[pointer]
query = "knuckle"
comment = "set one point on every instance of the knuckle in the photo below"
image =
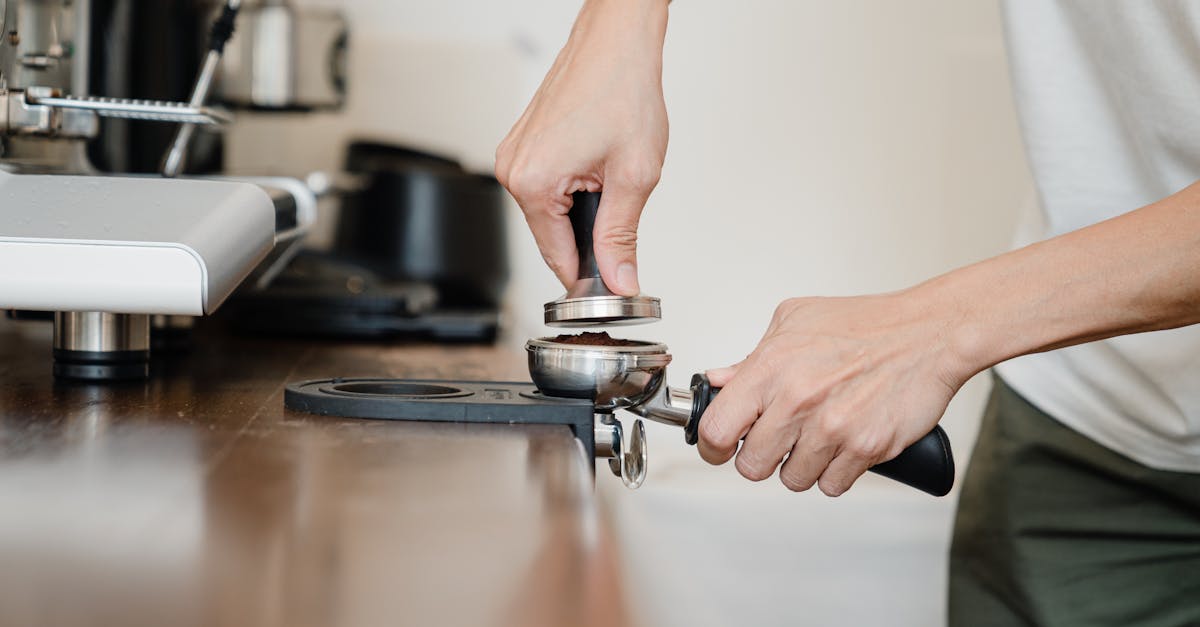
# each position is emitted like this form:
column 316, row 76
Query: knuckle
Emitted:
column 525, row 183
column 640, row 174
column 794, row 482
column 620, row 237
column 869, row 447
column 503, row 158
column 832, row 429
column 832, row 487
column 784, row 309
column 752, row 466
column 891, row 452
column 711, row 456
column 713, row 432
column 553, row 263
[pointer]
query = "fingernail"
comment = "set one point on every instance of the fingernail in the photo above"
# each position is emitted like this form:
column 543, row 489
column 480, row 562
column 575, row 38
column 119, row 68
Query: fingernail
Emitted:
column 627, row 278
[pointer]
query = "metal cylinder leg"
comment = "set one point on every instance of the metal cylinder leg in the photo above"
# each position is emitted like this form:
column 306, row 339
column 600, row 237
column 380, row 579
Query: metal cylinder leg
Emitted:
column 100, row 346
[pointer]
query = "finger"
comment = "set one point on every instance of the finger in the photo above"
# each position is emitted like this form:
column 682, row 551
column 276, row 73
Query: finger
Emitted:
column 809, row 458
column 856, row 456
column 768, row 441
column 728, row 418
column 720, row 377
column 615, row 237
column 555, row 239
column 842, row 472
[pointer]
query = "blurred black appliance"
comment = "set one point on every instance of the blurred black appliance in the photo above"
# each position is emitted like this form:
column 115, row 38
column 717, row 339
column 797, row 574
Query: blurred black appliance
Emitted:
column 420, row 253
column 148, row 50
column 419, row 217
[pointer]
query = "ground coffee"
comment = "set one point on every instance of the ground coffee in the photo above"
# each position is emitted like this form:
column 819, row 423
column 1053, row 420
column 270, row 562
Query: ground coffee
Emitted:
column 594, row 339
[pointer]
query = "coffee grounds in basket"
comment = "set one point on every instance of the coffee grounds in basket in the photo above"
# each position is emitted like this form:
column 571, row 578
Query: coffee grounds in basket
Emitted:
column 594, row 339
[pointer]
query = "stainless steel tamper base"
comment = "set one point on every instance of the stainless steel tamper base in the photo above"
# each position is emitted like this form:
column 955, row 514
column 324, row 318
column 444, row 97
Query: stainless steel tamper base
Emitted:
column 589, row 303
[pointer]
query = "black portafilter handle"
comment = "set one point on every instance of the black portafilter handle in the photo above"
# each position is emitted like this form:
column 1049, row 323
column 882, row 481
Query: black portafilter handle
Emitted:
column 927, row 465
column 583, row 218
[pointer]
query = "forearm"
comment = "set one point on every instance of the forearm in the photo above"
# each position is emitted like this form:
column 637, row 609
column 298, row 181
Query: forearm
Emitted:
column 1137, row 272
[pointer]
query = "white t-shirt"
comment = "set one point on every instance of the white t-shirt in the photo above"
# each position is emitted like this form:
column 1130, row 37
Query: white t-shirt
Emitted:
column 1108, row 93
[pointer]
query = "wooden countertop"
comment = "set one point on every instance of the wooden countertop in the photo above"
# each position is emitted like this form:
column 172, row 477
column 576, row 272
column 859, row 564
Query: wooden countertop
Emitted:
column 195, row 499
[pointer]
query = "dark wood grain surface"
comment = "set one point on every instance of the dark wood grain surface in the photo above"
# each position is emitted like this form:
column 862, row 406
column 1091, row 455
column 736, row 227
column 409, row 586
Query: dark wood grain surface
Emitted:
column 196, row 499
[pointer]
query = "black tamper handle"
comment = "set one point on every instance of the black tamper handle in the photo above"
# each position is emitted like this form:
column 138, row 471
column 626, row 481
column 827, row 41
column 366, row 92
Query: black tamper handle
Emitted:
column 927, row 465
column 583, row 218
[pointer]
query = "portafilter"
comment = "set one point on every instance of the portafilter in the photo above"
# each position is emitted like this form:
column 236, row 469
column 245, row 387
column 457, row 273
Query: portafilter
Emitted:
column 589, row 302
column 632, row 378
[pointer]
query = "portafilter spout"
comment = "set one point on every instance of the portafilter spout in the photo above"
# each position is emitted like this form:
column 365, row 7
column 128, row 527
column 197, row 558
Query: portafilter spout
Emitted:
column 632, row 378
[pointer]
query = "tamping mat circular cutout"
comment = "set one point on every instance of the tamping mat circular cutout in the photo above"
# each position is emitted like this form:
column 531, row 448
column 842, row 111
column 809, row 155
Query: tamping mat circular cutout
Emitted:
column 398, row 389
column 369, row 398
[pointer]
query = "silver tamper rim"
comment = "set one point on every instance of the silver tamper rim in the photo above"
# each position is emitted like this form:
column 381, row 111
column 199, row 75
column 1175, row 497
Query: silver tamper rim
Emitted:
column 603, row 310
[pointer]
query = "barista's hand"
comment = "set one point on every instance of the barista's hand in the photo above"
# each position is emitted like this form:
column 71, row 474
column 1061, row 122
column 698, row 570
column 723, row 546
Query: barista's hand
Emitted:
column 598, row 122
column 836, row 385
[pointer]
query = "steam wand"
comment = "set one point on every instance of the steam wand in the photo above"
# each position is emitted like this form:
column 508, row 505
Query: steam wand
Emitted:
column 221, row 31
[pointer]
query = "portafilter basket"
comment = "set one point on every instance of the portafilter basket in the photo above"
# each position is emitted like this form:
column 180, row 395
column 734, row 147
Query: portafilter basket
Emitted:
column 612, row 377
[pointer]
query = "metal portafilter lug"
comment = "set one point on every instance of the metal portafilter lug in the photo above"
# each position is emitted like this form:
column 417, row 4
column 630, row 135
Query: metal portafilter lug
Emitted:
column 627, row 461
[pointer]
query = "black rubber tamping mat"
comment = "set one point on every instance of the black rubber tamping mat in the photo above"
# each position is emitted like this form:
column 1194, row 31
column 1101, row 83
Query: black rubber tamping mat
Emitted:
column 504, row 402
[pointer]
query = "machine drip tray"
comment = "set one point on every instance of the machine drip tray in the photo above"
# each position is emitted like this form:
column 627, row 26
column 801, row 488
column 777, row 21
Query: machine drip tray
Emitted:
column 503, row 402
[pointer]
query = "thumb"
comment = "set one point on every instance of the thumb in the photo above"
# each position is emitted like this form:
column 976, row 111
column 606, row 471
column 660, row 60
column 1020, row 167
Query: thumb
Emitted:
column 720, row 377
column 614, row 238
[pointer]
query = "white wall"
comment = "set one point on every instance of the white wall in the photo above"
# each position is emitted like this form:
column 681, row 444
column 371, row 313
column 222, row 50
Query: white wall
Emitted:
column 817, row 147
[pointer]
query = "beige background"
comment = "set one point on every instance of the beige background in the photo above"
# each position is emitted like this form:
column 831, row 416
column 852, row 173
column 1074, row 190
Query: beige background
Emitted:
column 817, row 148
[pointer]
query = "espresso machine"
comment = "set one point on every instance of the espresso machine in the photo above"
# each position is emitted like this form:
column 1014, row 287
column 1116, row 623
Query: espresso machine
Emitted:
column 115, row 214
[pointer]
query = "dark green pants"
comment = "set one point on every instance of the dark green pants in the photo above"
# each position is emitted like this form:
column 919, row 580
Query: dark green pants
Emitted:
column 1054, row 529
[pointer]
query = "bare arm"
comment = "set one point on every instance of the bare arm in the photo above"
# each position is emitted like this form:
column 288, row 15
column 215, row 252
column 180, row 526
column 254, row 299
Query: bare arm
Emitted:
column 598, row 121
column 837, row 385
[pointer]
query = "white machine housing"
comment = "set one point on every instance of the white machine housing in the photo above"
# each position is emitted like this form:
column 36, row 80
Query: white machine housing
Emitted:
column 135, row 245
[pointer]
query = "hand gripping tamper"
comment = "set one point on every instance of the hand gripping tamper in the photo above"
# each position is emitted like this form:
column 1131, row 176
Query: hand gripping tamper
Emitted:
column 589, row 302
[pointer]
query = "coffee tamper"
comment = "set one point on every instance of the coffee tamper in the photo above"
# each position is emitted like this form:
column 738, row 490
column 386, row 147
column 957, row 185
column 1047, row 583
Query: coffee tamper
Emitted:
column 589, row 302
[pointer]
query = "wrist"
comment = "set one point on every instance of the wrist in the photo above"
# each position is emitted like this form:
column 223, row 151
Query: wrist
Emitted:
column 955, row 327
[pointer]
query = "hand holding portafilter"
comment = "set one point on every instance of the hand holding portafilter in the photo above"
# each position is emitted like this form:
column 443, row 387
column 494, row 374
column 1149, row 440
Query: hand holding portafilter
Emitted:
column 589, row 302
column 632, row 377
